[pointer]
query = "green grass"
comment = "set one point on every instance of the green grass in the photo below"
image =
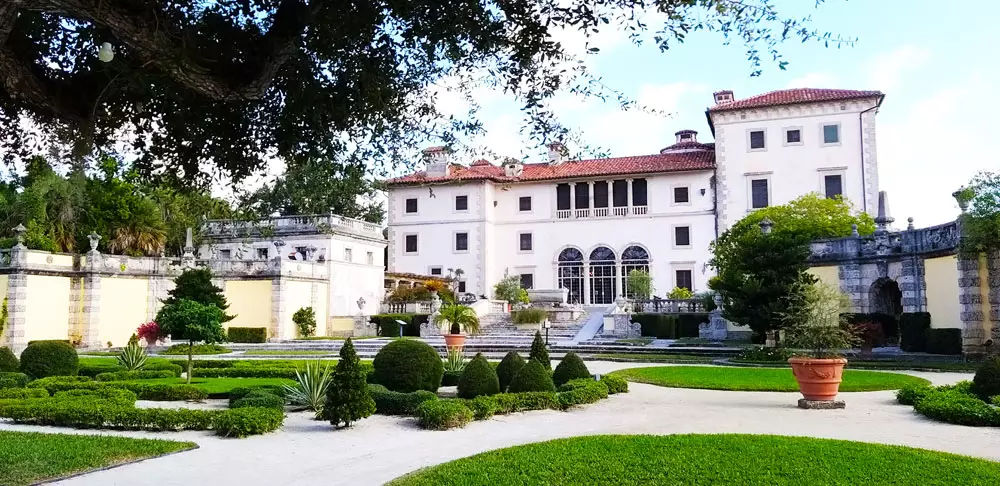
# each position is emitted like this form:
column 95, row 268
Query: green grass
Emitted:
column 98, row 353
column 699, row 342
column 221, row 386
column 635, row 341
column 269, row 352
column 30, row 457
column 657, row 358
column 199, row 349
column 757, row 379
column 707, row 459
column 956, row 366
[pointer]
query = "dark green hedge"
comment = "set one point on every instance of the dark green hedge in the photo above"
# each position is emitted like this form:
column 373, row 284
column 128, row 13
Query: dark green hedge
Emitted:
column 386, row 324
column 49, row 358
column 396, row 403
column 944, row 341
column 145, row 391
column 13, row 380
column 889, row 322
column 913, row 328
column 8, row 362
column 408, row 365
column 670, row 326
column 443, row 414
column 248, row 334
column 134, row 375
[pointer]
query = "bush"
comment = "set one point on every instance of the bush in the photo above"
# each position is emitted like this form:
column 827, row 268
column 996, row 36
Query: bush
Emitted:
column 91, row 368
column 112, row 394
column 134, row 375
column 944, row 341
column 386, row 325
column 581, row 391
column 347, row 397
column 913, row 328
column 396, row 403
column 175, row 369
column 450, row 378
column 957, row 408
column 508, row 367
column 532, row 377
column 539, row 352
column 145, row 391
column 911, row 393
column 986, row 383
column 247, row 334
column 443, row 414
column 22, row 393
column 688, row 324
column 570, row 368
column 13, row 380
column 243, row 422
column 259, row 398
column 888, row 322
column 761, row 354
column 182, row 349
column 49, row 358
column 305, row 321
column 478, row 378
column 244, row 391
column 407, row 366
column 8, row 362
column 237, row 372
column 615, row 384
column 484, row 407
column 133, row 357
column 529, row 315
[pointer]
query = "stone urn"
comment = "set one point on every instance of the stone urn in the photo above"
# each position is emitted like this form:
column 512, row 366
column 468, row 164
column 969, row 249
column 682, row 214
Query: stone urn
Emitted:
column 150, row 341
column 819, row 378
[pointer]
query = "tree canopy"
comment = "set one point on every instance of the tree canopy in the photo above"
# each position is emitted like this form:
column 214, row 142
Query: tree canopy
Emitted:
column 981, row 222
column 228, row 84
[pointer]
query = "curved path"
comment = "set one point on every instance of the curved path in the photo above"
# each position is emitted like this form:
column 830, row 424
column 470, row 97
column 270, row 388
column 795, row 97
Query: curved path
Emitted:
column 307, row 452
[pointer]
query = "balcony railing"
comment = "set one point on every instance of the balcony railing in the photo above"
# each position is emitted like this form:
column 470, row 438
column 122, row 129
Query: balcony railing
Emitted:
column 639, row 210
column 617, row 211
column 621, row 211
column 600, row 212
column 564, row 214
column 283, row 225
column 583, row 213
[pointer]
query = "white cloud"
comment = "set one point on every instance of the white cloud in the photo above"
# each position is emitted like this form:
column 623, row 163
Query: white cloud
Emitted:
column 886, row 71
column 813, row 80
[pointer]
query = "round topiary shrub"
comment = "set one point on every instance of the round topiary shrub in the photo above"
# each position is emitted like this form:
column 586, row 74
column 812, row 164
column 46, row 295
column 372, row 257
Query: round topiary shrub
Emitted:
column 509, row 366
column 407, row 366
column 478, row 378
column 532, row 377
column 49, row 358
column 570, row 368
column 8, row 362
column 986, row 384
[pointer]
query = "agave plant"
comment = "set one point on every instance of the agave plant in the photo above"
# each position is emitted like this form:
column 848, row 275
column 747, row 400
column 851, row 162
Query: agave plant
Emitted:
column 132, row 357
column 456, row 360
column 309, row 390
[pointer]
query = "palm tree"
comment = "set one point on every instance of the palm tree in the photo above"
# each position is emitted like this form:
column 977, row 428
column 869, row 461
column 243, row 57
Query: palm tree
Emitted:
column 142, row 234
column 458, row 317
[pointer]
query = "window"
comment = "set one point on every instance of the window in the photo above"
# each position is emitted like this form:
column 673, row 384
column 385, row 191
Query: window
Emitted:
column 686, row 137
column 461, row 203
column 793, row 136
column 619, row 194
column 411, row 243
column 524, row 240
column 757, row 140
column 527, row 281
column 461, row 286
column 600, row 194
column 461, row 242
column 524, row 203
column 348, row 255
column 371, row 258
column 681, row 195
column 302, row 250
column 831, row 134
column 682, row 236
column 225, row 254
column 436, row 270
column 758, row 193
column 262, row 253
column 833, row 185
column 639, row 192
column 562, row 197
column 582, row 195
column 683, row 279
column 411, row 205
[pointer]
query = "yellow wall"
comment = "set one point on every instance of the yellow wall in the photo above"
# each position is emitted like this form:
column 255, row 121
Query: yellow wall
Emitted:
column 250, row 302
column 47, row 308
column 123, row 308
column 42, row 258
column 941, row 275
column 829, row 275
column 297, row 295
column 339, row 326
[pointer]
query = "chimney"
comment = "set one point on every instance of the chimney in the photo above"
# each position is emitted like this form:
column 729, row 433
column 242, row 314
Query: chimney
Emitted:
column 685, row 136
column 557, row 153
column 724, row 96
column 437, row 162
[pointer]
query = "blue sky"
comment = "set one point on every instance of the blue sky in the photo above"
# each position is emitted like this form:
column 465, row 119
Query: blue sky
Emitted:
column 937, row 66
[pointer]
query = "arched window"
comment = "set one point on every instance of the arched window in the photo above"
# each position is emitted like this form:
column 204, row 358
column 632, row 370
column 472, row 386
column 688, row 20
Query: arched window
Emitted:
column 603, row 276
column 634, row 258
column 570, row 274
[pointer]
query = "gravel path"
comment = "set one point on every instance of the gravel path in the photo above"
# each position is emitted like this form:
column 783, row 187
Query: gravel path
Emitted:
column 307, row 452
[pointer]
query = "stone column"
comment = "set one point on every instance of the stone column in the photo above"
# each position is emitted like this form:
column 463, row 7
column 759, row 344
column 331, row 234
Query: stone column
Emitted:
column 278, row 311
column 90, row 318
column 586, row 283
column 628, row 196
column 849, row 274
column 993, row 274
column 970, row 300
column 572, row 199
column 17, row 296
column 913, row 286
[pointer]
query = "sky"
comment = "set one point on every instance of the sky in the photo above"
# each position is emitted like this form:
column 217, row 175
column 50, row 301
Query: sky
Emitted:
column 937, row 66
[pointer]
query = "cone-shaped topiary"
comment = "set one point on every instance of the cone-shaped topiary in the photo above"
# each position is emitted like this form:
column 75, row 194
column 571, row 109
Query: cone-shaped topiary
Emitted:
column 986, row 384
column 539, row 352
column 478, row 378
column 570, row 368
column 347, row 398
column 407, row 366
column 509, row 366
column 532, row 377
column 49, row 358
column 8, row 362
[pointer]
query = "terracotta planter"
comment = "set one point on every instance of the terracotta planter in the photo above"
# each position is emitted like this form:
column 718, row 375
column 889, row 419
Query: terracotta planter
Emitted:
column 819, row 379
column 150, row 342
column 454, row 341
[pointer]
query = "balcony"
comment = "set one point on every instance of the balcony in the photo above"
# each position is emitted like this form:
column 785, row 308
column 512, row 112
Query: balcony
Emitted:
column 290, row 225
column 602, row 213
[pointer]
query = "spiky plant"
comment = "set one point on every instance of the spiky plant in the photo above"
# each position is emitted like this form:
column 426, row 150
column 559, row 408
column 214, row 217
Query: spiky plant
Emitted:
column 132, row 357
column 456, row 360
column 309, row 391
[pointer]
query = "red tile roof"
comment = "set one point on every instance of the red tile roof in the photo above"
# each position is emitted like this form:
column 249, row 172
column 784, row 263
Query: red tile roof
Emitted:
column 794, row 96
column 642, row 164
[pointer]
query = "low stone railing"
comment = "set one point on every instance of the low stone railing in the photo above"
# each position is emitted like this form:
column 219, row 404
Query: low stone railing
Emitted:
column 669, row 306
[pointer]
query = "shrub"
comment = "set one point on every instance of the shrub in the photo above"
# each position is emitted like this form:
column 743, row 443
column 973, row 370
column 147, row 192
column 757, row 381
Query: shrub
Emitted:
column 347, row 398
column 22, row 393
column 484, row 407
column 305, row 321
column 453, row 367
column 13, row 380
column 106, row 414
column 764, row 354
column 182, row 349
column 247, row 334
column 132, row 358
column 256, row 372
column 539, row 352
column 508, row 367
column 889, row 323
column 49, row 358
column 149, row 331
column 957, row 408
column 870, row 333
column 615, row 384
column 145, row 391
column 581, row 391
column 532, row 377
column 396, row 403
column 529, row 315
column 911, row 393
column 479, row 378
column 913, row 328
column 260, row 398
column 944, row 341
column 986, row 383
column 688, row 324
column 661, row 326
column 443, row 414
column 242, row 392
column 243, row 422
column 311, row 385
column 91, row 368
column 570, row 368
column 8, row 362
column 134, row 375
column 407, row 366
column 450, row 378
column 175, row 369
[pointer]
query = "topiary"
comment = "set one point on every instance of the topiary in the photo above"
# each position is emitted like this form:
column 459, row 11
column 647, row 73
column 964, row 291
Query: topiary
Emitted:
column 478, row 378
column 570, row 368
column 407, row 366
column 532, row 377
column 986, row 384
column 347, row 397
column 539, row 352
column 8, row 362
column 509, row 366
column 49, row 358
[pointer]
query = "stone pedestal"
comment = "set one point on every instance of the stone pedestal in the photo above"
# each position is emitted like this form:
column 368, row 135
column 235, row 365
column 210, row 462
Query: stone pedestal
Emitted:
column 821, row 404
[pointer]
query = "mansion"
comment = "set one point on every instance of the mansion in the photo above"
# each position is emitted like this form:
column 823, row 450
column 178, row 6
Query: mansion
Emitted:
column 583, row 225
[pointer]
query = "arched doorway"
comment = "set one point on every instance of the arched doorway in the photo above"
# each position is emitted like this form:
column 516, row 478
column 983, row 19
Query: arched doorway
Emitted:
column 603, row 276
column 634, row 258
column 884, row 297
column 570, row 273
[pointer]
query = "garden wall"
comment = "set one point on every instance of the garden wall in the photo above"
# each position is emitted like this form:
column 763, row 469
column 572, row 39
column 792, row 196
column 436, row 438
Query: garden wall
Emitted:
column 46, row 303
column 941, row 275
column 123, row 306
column 250, row 302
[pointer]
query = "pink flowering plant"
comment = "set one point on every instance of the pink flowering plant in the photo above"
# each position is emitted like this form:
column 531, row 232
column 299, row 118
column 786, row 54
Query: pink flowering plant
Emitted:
column 149, row 332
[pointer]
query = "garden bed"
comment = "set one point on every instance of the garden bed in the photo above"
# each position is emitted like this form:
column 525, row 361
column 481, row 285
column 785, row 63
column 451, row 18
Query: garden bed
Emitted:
column 757, row 379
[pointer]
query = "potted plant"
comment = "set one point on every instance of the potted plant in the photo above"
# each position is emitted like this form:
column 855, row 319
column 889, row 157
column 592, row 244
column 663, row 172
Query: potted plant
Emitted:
column 529, row 318
column 509, row 289
column 457, row 318
column 149, row 332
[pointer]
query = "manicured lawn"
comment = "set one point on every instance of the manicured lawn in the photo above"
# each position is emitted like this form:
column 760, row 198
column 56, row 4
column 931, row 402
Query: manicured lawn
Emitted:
column 707, row 459
column 28, row 457
column 757, row 379
column 657, row 358
column 220, row 386
column 268, row 352
column 959, row 366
